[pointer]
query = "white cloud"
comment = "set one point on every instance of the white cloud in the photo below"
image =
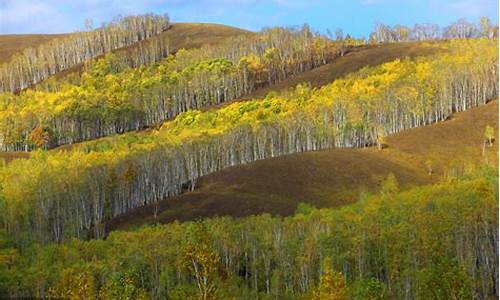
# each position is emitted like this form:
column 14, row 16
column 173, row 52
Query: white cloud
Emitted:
column 35, row 16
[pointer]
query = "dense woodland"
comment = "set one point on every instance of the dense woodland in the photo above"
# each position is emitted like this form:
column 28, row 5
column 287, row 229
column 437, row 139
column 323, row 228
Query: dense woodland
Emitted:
column 113, row 98
column 434, row 242
column 70, row 193
column 36, row 64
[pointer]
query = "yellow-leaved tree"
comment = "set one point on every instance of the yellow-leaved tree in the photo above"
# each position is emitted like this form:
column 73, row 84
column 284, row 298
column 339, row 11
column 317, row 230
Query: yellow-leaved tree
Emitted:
column 332, row 284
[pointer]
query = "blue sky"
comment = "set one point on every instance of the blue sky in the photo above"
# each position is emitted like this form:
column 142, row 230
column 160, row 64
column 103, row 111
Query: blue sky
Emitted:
column 354, row 16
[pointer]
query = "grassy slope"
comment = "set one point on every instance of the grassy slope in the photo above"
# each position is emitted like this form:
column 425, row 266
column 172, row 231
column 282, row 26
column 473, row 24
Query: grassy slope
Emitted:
column 329, row 178
column 370, row 55
column 10, row 44
column 182, row 35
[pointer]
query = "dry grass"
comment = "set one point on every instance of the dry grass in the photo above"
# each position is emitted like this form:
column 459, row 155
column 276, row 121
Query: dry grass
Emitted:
column 9, row 156
column 330, row 178
column 11, row 44
column 192, row 35
column 180, row 36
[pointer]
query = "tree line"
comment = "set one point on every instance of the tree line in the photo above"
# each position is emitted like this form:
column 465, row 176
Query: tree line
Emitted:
column 461, row 29
column 34, row 65
column 432, row 242
column 114, row 96
column 56, row 195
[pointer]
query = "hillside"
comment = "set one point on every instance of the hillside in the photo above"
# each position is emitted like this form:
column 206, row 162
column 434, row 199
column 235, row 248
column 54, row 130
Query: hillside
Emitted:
column 330, row 178
column 192, row 35
column 185, row 35
column 357, row 58
column 10, row 44
column 180, row 36
column 120, row 173
column 159, row 38
column 145, row 159
column 427, row 224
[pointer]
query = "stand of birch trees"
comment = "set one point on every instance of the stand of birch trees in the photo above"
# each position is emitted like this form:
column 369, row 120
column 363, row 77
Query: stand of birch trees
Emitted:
column 56, row 195
column 113, row 98
column 34, row 65
column 461, row 29
column 433, row 242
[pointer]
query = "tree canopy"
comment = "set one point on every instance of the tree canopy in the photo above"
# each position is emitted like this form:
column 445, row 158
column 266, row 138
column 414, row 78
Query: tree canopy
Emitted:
column 422, row 243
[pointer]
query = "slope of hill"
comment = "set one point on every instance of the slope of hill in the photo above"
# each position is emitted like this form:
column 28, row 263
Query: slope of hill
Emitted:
column 352, row 61
column 180, row 36
column 331, row 178
column 357, row 58
column 190, row 35
column 36, row 64
column 136, row 182
column 11, row 44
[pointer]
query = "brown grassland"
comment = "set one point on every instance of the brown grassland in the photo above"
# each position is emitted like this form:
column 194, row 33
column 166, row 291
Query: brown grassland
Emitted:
column 10, row 44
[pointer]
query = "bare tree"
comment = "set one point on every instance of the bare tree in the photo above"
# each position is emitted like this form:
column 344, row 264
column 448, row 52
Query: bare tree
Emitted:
column 426, row 31
column 461, row 30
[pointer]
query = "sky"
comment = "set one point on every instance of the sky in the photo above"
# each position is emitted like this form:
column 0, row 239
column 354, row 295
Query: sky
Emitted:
column 356, row 17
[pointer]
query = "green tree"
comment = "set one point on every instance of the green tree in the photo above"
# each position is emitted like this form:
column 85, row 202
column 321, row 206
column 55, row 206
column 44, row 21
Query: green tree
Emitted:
column 381, row 138
column 201, row 260
column 444, row 280
column 122, row 287
column 390, row 186
column 304, row 208
column 74, row 284
column 367, row 289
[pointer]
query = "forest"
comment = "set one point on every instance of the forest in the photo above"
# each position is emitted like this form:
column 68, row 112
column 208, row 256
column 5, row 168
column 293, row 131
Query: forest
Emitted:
column 346, row 253
column 113, row 97
column 139, row 126
column 139, row 88
column 70, row 193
